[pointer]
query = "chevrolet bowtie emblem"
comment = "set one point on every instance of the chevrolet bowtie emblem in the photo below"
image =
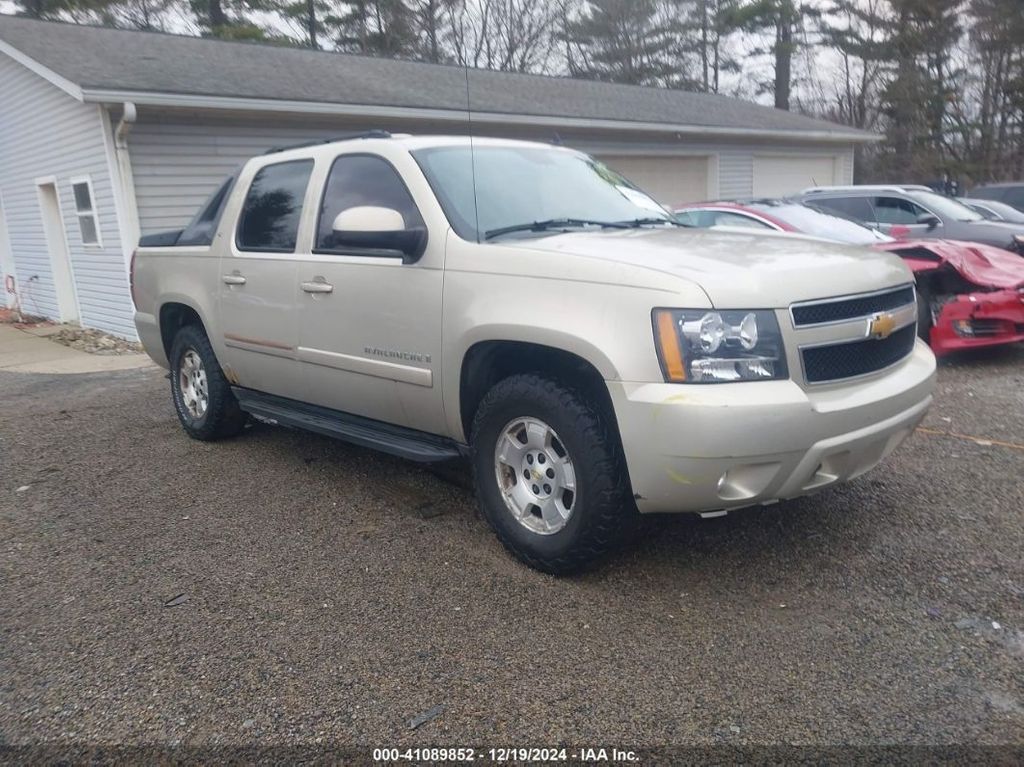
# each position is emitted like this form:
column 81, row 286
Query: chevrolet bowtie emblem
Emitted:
column 881, row 325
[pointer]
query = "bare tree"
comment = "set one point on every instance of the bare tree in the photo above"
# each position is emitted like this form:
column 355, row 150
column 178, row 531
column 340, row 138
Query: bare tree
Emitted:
column 508, row 35
column 640, row 42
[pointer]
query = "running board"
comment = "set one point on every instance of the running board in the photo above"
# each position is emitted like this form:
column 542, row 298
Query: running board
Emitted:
column 397, row 440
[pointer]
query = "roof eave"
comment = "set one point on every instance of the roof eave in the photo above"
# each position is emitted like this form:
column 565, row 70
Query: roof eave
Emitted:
column 46, row 73
column 245, row 104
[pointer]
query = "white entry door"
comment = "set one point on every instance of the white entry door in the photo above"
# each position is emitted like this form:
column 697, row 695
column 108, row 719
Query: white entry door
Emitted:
column 60, row 255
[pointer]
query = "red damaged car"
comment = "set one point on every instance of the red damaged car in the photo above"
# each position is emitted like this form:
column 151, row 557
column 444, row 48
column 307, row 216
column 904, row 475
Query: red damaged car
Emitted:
column 969, row 294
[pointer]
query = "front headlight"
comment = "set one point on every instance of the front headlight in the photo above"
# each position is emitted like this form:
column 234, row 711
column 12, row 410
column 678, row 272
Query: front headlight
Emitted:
column 707, row 346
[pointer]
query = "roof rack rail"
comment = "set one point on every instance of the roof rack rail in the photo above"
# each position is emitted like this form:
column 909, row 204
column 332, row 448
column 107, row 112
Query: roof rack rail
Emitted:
column 375, row 133
column 867, row 188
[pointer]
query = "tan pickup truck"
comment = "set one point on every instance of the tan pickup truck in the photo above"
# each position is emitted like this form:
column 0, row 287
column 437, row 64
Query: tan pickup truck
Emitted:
column 525, row 307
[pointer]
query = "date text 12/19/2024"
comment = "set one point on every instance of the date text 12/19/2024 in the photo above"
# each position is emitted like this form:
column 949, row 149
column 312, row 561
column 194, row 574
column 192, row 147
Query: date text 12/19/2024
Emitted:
column 503, row 754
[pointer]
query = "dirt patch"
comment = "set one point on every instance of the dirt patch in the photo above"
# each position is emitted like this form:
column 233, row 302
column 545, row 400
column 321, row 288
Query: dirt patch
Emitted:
column 14, row 317
column 94, row 341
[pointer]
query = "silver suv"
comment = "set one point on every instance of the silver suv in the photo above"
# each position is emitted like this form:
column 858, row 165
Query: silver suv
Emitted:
column 526, row 308
column 914, row 212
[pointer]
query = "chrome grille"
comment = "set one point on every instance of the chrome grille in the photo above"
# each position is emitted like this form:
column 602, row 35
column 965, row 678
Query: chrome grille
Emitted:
column 852, row 307
column 857, row 358
column 852, row 336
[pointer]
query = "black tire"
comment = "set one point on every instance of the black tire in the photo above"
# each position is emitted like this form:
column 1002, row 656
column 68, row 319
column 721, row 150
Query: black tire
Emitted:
column 924, row 314
column 603, row 511
column 222, row 417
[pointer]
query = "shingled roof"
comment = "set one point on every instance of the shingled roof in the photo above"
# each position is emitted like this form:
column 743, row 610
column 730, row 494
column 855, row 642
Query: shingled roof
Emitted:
column 105, row 64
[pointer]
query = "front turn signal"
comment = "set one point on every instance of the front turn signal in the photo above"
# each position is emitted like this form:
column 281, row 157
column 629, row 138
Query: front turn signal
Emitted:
column 669, row 353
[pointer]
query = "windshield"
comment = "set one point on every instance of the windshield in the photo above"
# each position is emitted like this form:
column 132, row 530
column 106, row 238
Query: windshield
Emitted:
column 995, row 211
column 522, row 185
column 947, row 207
column 818, row 224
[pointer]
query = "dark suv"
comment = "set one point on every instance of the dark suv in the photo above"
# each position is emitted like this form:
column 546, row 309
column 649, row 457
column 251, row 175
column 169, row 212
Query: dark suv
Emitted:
column 914, row 211
column 1012, row 193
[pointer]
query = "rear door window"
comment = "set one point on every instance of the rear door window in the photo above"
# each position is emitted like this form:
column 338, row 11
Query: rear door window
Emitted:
column 857, row 208
column 273, row 207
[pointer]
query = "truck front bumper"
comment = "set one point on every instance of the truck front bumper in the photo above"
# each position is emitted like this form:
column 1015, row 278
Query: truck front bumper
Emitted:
column 700, row 448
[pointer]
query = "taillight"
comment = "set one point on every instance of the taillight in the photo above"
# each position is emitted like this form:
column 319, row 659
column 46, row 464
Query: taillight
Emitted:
column 131, row 278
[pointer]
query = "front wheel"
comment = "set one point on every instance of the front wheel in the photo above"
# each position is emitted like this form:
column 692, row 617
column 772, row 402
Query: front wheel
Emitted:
column 550, row 476
column 202, row 396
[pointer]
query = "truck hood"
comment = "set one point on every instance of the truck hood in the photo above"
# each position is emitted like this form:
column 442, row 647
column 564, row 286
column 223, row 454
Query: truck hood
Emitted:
column 739, row 270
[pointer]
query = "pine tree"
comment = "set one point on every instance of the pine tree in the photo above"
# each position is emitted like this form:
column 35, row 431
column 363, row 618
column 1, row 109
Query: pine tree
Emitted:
column 712, row 22
column 784, row 21
column 916, row 100
column 992, row 116
column 628, row 41
column 375, row 27
column 861, row 32
column 56, row 9
column 232, row 20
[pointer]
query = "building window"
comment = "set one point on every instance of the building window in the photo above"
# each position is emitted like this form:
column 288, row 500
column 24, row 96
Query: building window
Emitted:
column 85, row 211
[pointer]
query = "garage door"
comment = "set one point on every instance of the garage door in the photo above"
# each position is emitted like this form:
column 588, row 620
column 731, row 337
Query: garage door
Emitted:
column 670, row 180
column 778, row 176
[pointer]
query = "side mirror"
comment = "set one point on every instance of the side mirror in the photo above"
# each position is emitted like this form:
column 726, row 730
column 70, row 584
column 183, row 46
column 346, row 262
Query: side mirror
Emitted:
column 928, row 220
column 368, row 227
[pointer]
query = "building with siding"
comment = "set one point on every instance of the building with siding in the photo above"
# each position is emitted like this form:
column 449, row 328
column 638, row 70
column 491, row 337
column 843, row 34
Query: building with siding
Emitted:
column 106, row 134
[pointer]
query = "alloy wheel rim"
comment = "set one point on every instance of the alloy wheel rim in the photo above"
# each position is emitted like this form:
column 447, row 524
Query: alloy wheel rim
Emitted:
column 192, row 384
column 536, row 475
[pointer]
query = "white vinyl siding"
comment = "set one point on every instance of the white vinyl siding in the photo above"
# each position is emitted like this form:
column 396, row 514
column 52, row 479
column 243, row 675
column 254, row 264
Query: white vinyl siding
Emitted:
column 847, row 168
column 177, row 165
column 735, row 175
column 178, row 161
column 46, row 133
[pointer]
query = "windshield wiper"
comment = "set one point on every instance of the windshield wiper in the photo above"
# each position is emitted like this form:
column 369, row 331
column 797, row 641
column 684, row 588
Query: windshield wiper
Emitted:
column 638, row 222
column 553, row 223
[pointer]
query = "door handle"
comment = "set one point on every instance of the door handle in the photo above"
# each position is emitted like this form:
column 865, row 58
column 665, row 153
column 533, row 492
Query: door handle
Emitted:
column 318, row 286
column 233, row 279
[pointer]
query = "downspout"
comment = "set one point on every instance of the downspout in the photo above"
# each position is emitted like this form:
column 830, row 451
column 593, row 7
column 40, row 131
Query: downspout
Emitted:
column 124, row 167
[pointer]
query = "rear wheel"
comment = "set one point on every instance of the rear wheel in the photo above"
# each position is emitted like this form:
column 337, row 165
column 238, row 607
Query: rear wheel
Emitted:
column 549, row 472
column 202, row 396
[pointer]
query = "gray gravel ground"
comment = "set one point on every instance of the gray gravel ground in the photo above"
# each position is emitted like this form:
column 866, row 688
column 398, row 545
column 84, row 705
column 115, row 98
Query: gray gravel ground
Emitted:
column 332, row 593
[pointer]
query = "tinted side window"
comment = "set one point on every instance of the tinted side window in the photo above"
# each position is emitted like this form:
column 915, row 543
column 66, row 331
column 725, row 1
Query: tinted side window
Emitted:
column 857, row 208
column 273, row 206
column 894, row 210
column 201, row 229
column 357, row 180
